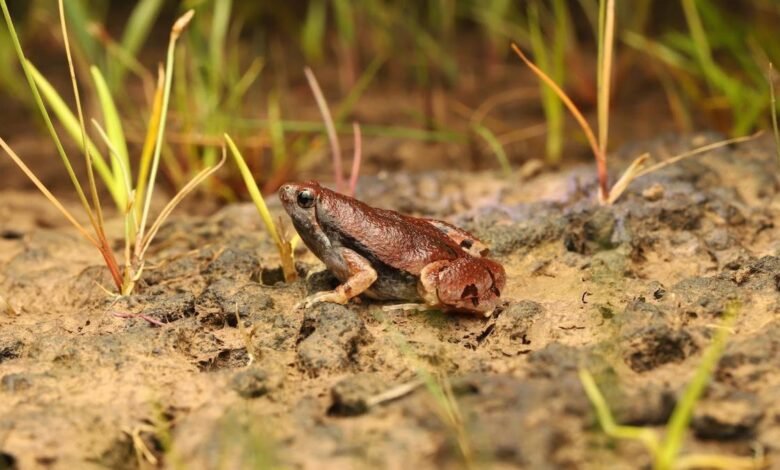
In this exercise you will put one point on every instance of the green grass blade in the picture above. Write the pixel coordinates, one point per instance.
(284, 246)
(219, 28)
(496, 146)
(79, 14)
(313, 33)
(681, 416)
(347, 105)
(278, 145)
(608, 423)
(71, 125)
(254, 191)
(116, 134)
(345, 24)
(552, 105)
(136, 32)
(29, 75)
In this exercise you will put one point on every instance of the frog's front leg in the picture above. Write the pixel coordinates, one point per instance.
(466, 284)
(357, 273)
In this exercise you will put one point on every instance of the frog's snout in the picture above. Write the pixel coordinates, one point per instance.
(287, 193)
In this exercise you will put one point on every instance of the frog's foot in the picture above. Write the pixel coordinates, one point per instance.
(466, 284)
(332, 296)
(361, 276)
(406, 307)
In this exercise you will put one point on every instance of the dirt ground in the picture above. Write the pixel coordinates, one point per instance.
(209, 365)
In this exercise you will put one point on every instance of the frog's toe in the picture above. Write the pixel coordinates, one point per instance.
(334, 296)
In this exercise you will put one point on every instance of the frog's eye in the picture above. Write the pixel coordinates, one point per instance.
(305, 198)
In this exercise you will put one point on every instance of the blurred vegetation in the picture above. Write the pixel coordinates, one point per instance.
(240, 71)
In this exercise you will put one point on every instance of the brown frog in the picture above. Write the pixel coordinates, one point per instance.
(386, 255)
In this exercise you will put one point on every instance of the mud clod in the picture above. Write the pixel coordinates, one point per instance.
(656, 345)
(168, 308)
(514, 326)
(706, 297)
(253, 382)
(10, 347)
(226, 359)
(8, 461)
(351, 396)
(222, 300)
(733, 417)
(234, 263)
(321, 281)
(330, 339)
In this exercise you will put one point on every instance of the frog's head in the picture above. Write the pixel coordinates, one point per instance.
(300, 200)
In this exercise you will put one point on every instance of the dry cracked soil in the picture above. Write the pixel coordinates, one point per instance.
(208, 364)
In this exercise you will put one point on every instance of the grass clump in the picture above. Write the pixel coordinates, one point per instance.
(134, 204)
(666, 450)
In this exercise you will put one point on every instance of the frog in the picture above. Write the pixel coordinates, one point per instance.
(386, 255)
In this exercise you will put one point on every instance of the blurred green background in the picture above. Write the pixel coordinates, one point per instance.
(432, 83)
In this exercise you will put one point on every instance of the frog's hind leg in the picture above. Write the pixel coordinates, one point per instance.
(359, 276)
(467, 284)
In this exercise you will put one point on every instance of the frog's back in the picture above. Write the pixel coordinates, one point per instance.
(383, 236)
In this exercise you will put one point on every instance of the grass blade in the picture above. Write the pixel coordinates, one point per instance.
(276, 131)
(313, 31)
(28, 73)
(696, 151)
(178, 28)
(71, 125)
(183, 192)
(601, 159)
(149, 143)
(356, 158)
(114, 129)
(136, 32)
(626, 178)
(45, 191)
(329, 126)
(97, 217)
(551, 104)
(219, 28)
(83, 129)
(681, 416)
(646, 436)
(254, 191)
(604, 79)
(496, 146)
(284, 247)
